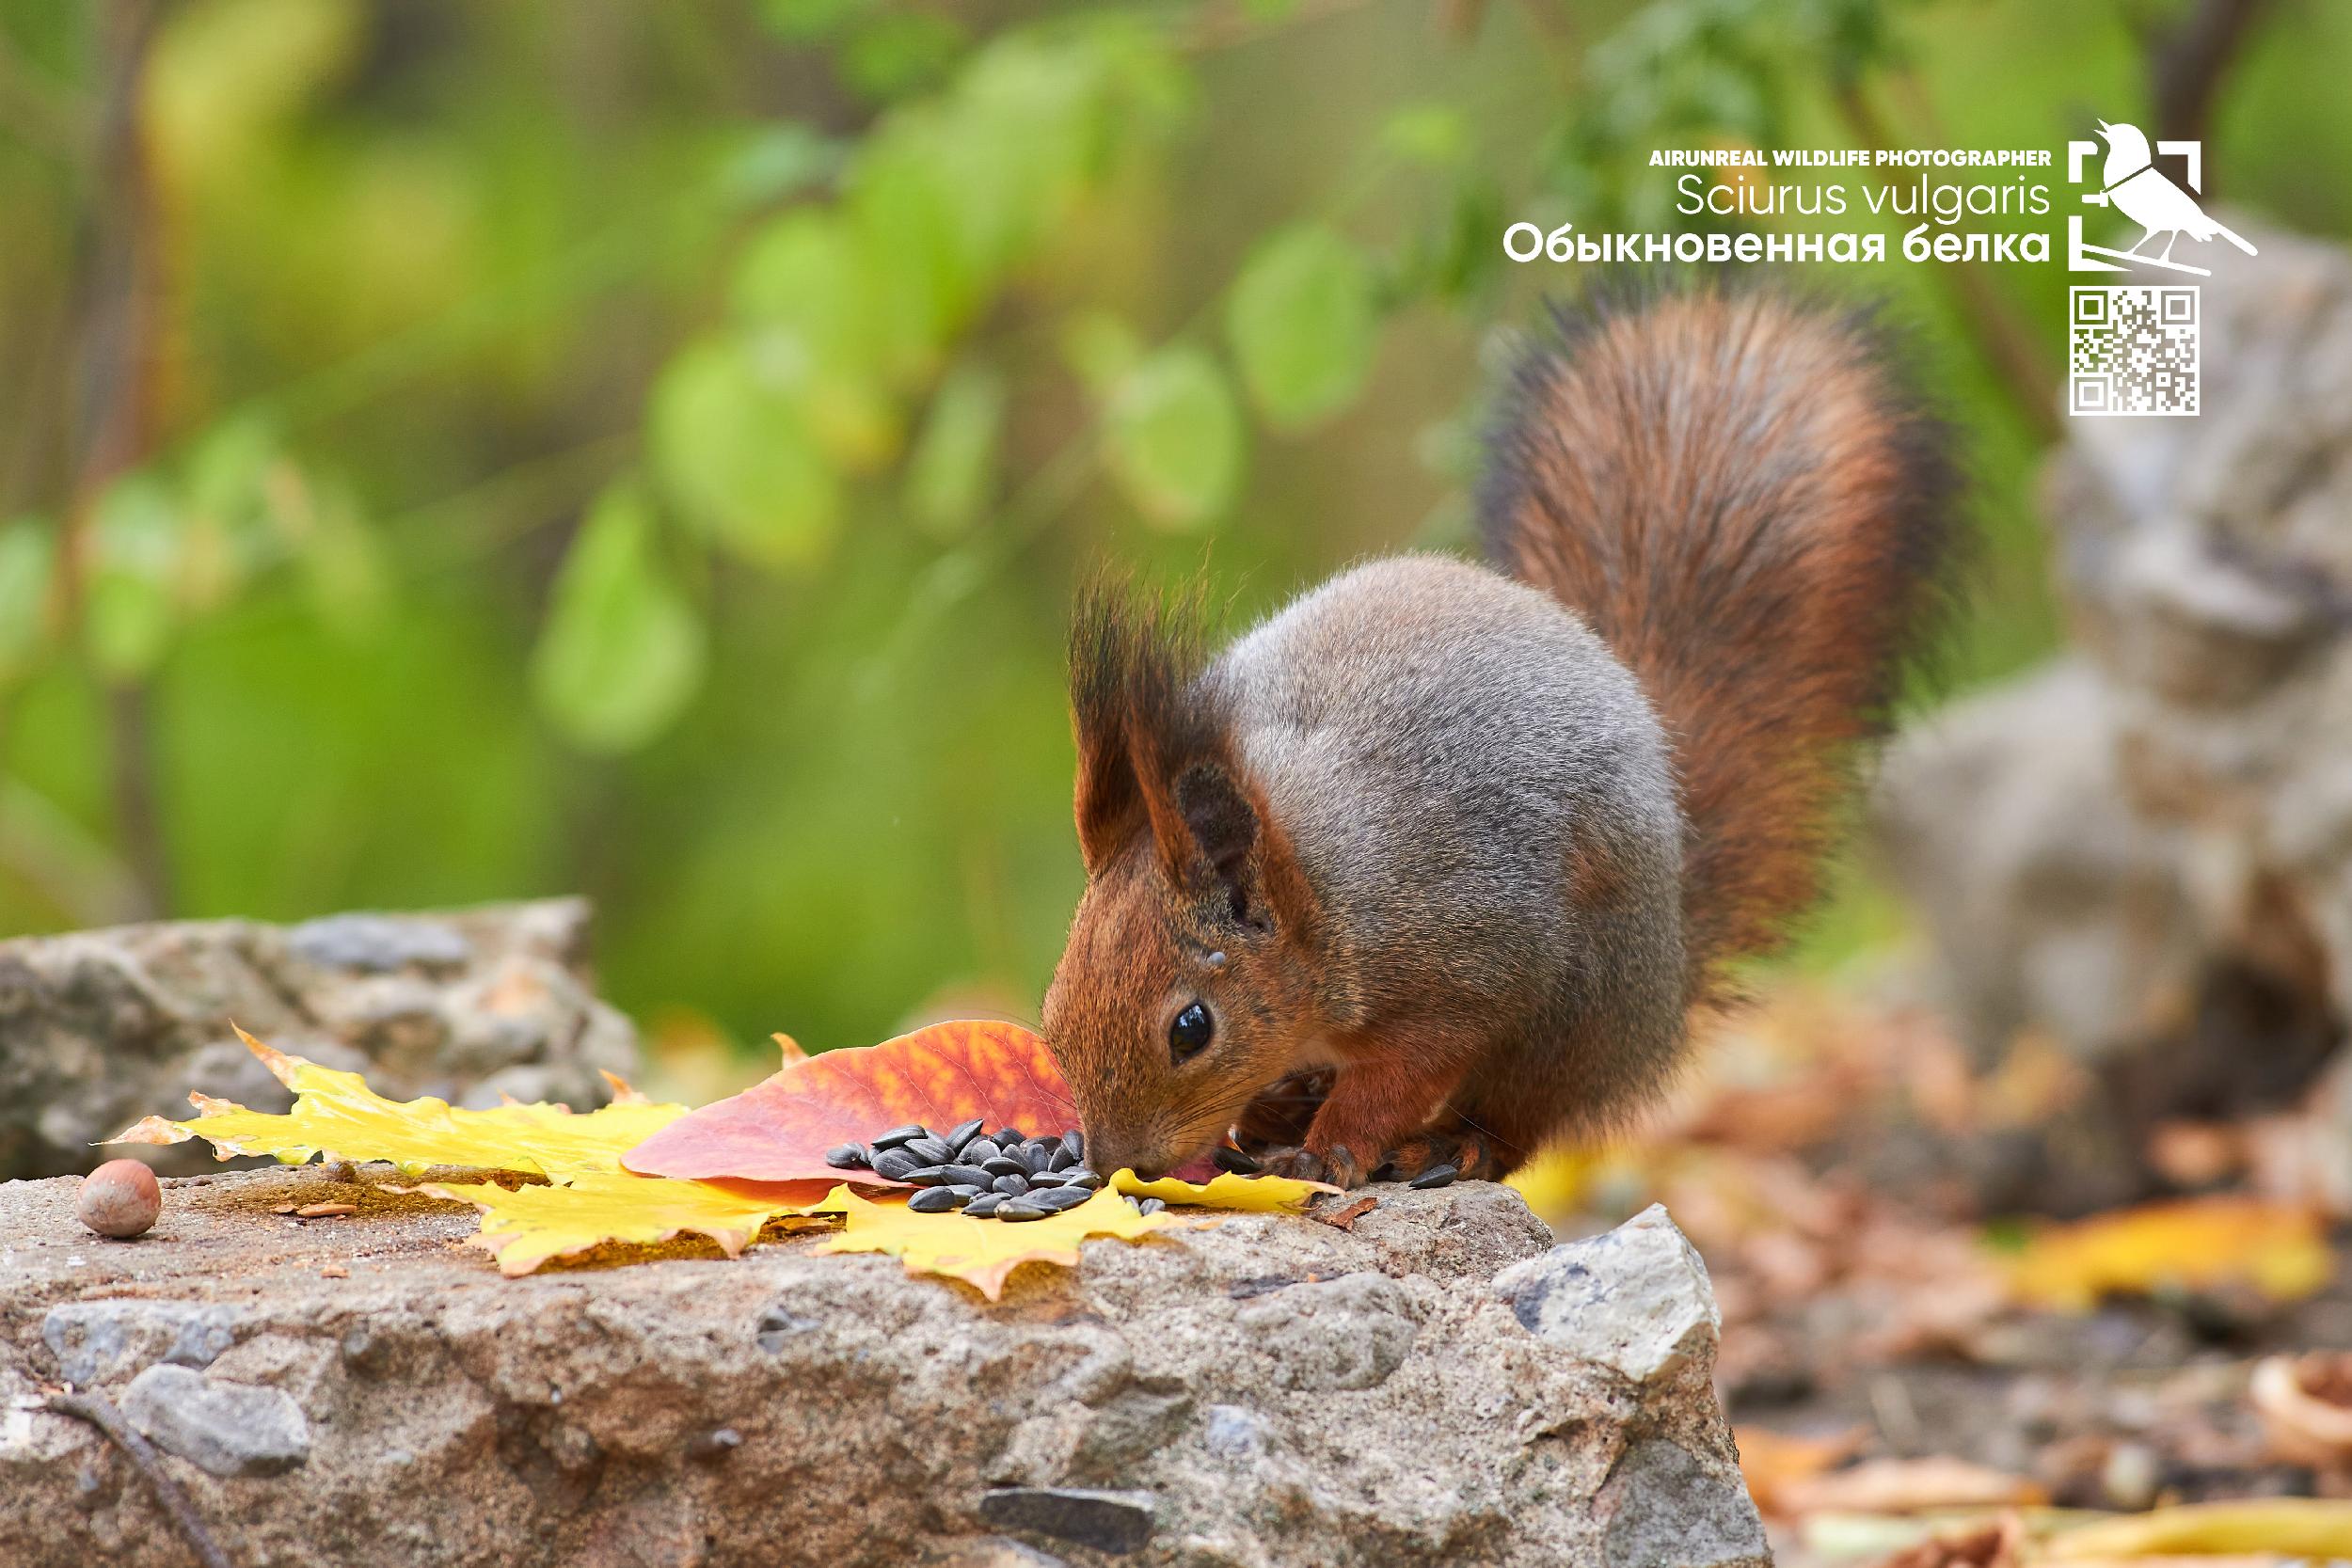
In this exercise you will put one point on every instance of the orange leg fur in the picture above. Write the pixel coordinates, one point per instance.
(1373, 1107)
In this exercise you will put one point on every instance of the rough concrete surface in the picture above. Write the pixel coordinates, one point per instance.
(100, 1028)
(1440, 1384)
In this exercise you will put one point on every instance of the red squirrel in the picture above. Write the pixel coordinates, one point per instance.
(1474, 843)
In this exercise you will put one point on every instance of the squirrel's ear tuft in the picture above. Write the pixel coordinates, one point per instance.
(1134, 710)
(1109, 801)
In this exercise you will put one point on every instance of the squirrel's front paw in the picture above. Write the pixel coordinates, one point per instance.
(1336, 1166)
(1466, 1154)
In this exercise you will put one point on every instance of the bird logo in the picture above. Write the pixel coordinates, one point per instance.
(2133, 185)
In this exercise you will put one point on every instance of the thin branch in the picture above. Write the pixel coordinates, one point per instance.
(2187, 61)
(118, 399)
(100, 1411)
(2015, 358)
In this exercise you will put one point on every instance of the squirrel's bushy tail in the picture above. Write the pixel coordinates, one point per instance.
(1744, 500)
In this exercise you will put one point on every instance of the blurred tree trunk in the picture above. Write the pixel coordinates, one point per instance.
(117, 396)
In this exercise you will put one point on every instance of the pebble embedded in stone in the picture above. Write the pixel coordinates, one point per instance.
(120, 1199)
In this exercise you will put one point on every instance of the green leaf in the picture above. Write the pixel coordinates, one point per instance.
(349, 579)
(740, 461)
(623, 651)
(1303, 323)
(27, 555)
(1433, 134)
(803, 291)
(1175, 439)
(953, 471)
(129, 607)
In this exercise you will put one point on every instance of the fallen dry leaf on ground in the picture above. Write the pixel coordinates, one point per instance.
(779, 1129)
(336, 1113)
(1908, 1486)
(2289, 1527)
(953, 1072)
(2198, 1243)
(1770, 1462)
(984, 1252)
(1995, 1543)
(525, 1226)
(2305, 1404)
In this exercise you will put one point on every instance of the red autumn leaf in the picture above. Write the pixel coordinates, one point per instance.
(778, 1129)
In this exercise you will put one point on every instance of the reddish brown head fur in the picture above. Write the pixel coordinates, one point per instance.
(1192, 894)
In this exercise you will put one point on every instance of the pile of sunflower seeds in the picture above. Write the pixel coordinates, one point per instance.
(1004, 1175)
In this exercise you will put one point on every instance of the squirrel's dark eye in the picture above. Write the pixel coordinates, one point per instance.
(1190, 1034)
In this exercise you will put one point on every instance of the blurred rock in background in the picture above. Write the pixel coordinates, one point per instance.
(99, 1028)
(2143, 851)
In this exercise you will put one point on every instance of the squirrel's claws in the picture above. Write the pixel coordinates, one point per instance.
(1474, 1157)
(1296, 1163)
(1337, 1165)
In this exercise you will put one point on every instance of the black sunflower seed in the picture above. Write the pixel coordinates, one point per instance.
(980, 1152)
(1078, 1176)
(1004, 1164)
(1235, 1160)
(897, 1135)
(1059, 1199)
(931, 1176)
(984, 1205)
(1435, 1176)
(936, 1200)
(963, 1132)
(1012, 1186)
(930, 1150)
(1009, 1136)
(968, 1175)
(1021, 1208)
(1037, 1156)
(1076, 1141)
(1153, 1205)
(848, 1157)
(1044, 1179)
(895, 1163)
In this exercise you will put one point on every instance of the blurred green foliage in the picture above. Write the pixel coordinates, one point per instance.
(645, 450)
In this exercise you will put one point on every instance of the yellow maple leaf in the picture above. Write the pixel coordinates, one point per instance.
(2196, 1243)
(1250, 1193)
(591, 1200)
(527, 1225)
(983, 1252)
(335, 1112)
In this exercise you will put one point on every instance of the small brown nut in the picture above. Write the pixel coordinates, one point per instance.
(119, 1198)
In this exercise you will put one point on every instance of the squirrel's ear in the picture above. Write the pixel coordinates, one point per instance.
(1232, 837)
(1109, 802)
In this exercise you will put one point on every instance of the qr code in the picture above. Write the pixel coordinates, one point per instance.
(2132, 350)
